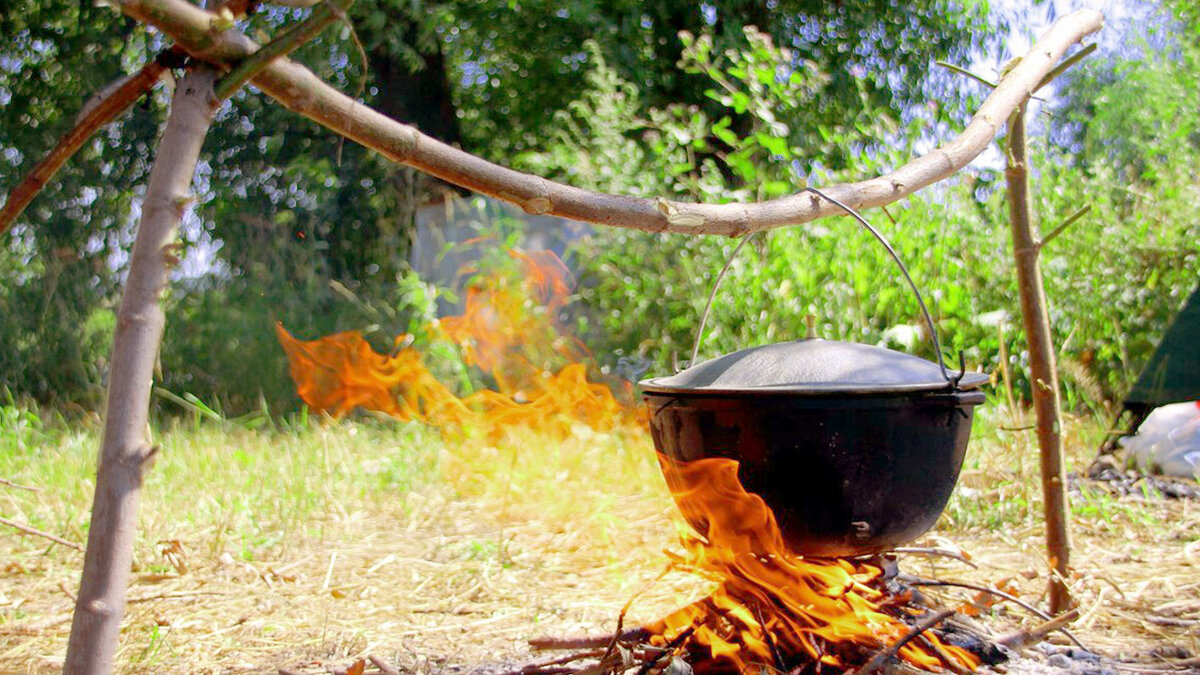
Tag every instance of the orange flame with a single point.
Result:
(506, 331)
(771, 605)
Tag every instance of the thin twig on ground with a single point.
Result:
(38, 533)
(1023, 638)
(939, 552)
(585, 641)
(17, 486)
(541, 666)
(36, 627)
(175, 595)
(382, 665)
(1171, 621)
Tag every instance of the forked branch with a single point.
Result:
(297, 88)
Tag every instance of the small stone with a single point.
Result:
(1048, 648)
(1059, 661)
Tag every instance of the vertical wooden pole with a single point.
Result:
(125, 451)
(1043, 372)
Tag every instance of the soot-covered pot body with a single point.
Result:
(854, 448)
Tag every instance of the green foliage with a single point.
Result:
(20, 427)
(62, 258)
(520, 63)
(1113, 280)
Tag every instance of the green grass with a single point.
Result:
(218, 484)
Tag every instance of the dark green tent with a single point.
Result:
(1172, 374)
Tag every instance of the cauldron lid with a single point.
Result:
(811, 366)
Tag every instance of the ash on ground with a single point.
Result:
(1051, 659)
(1109, 475)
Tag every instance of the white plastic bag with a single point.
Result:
(1168, 442)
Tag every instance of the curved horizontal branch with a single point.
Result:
(298, 89)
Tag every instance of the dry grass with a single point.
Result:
(309, 547)
(1136, 558)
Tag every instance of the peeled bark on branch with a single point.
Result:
(1043, 373)
(126, 451)
(297, 88)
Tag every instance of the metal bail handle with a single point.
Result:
(937, 346)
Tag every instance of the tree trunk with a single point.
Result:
(126, 450)
(1043, 372)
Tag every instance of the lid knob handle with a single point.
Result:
(810, 321)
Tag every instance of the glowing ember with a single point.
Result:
(506, 330)
(772, 607)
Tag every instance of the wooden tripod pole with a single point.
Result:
(1043, 372)
(125, 451)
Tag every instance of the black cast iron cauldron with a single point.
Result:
(855, 448)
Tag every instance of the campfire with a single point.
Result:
(771, 610)
(775, 609)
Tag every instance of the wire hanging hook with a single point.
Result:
(937, 345)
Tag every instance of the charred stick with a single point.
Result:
(38, 533)
(612, 644)
(667, 651)
(918, 581)
(947, 658)
(881, 657)
(770, 639)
